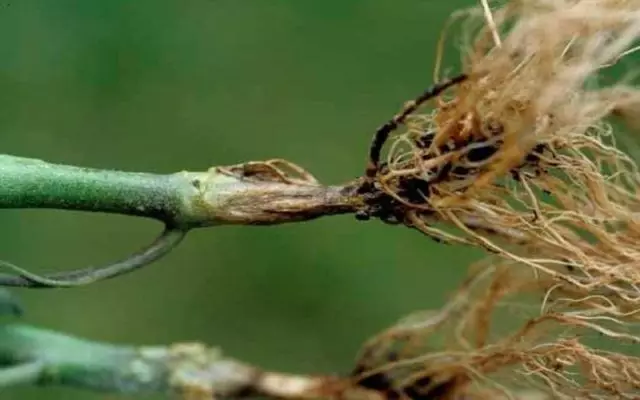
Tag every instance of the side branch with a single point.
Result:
(169, 239)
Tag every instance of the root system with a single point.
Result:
(520, 159)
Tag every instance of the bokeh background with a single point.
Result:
(163, 86)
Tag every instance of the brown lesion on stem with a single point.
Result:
(198, 373)
(274, 192)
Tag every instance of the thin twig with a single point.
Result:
(169, 239)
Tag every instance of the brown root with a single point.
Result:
(521, 161)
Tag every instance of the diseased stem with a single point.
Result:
(30, 355)
(184, 199)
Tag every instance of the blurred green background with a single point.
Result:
(163, 86)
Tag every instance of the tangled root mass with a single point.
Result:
(520, 159)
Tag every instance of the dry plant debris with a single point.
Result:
(520, 158)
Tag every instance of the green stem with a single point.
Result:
(72, 361)
(26, 373)
(84, 276)
(29, 183)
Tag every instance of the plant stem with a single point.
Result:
(30, 355)
(183, 199)
(72, 361)
(29, 183)
(26, 373)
